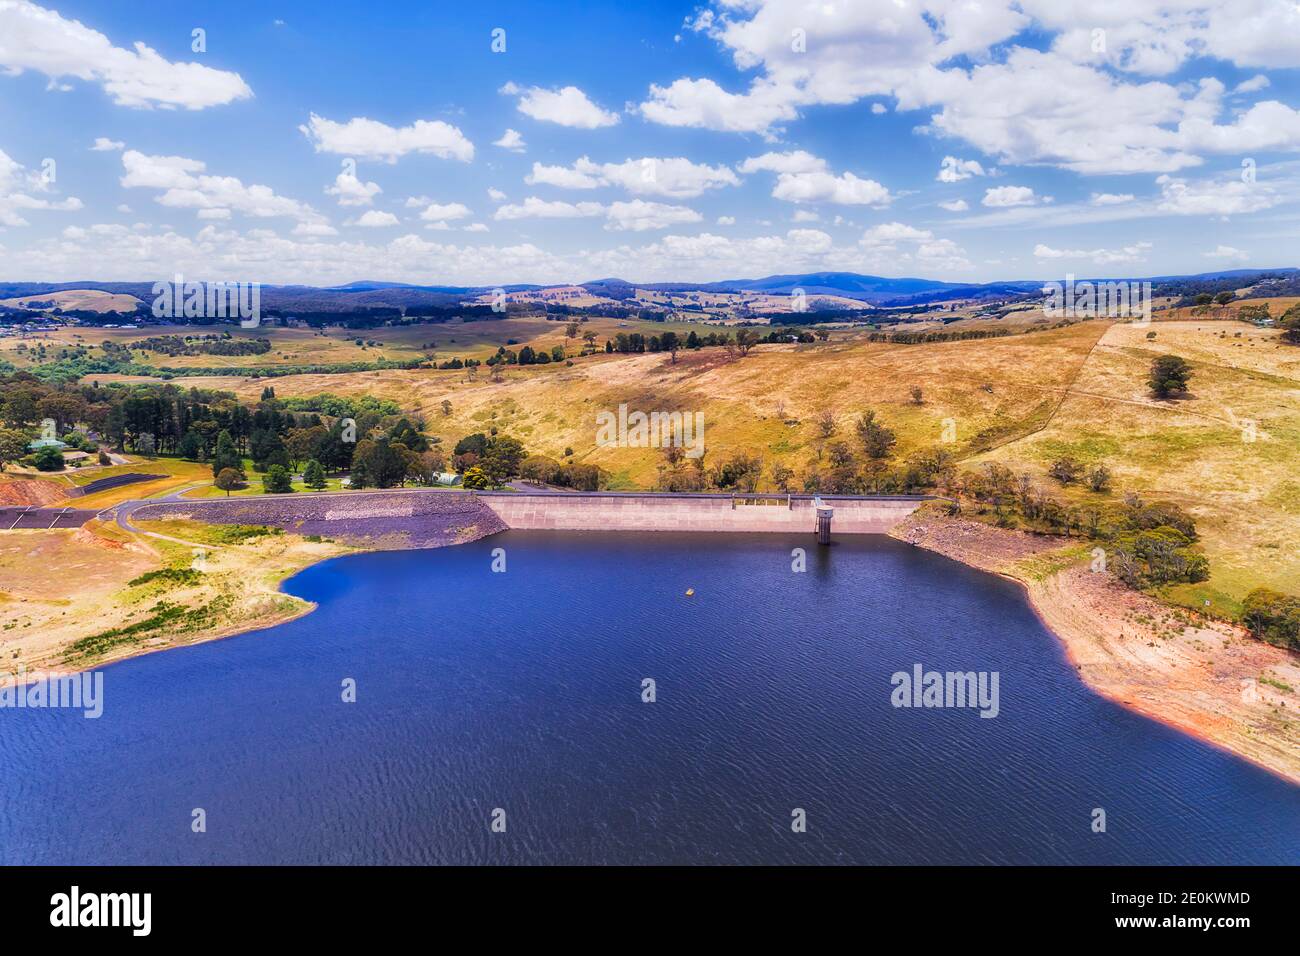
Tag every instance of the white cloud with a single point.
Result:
(476, 227)
(703, 103)
(534, 208)
(1155, 38)
(104, 145)
(954, 170)
(896, 246)
(1064, 106)
(34, 38)
(352, 191)
(639, 215)
(17, 185)
(1110, 199)
(674, 177)
(955, 205)
(845, 189)
(512, 140)
(496, 195)
(1133, 253)
(371, 139)
(805, 215)
(443, 212)
(888, 233)
(1228, 252)
(1256, 83)
(635, 216)
(313, 229)
(375, 219)
(186, 186)
(803, 177)
(1213, 197)
(726, 220)
(568, 106)
(1001, 196)
(795, 161)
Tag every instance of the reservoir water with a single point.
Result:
(522, 691)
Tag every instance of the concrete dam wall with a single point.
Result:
(617, 511)
(420, 518)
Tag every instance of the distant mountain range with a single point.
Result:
(873, 290)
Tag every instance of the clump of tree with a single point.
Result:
(48, 458)
(1290, 325)
(541, 470)
(1153, 544)
(13, 446)
(1065, 470)
(1169, 376)
(277, 480)
(741, 472)
(1273, 617)
(313, 475)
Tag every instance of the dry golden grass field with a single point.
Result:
(1023, 400)
(334, 346)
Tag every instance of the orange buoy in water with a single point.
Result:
(690, 592)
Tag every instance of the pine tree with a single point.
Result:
(313, 476)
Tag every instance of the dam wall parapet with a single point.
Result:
(622, 511)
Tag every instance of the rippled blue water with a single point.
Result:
(522, 691)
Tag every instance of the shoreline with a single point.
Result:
(1124, 645)
(1128, 647)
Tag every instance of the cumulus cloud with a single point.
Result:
(955, 205)
(794, 161)
(1209, 197)
(954, 170)
(104, 145)
(184, 184)
(512, 140)
(1132, 253)
(35, 38)
(1002, 196)
(18, 187)
(371, 139)
(567, 106)
(635, 216)
(639, 216)
(674, 177)
(351, 191)
(375, 219)
(1228, 252)
(1068, 106)
(534, 208)
(895, 245)
(805, 178)
(444, 212)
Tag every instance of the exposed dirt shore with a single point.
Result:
(1206, 677)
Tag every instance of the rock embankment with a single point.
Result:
(384, 520)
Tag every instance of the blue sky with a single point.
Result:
(328, 142)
